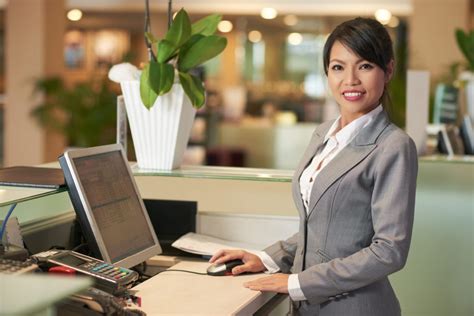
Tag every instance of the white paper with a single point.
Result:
(208, 245)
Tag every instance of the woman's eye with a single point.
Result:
(336, 67)
(366, 66)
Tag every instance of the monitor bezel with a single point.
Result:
(84, 210)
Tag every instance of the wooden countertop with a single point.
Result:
(186, 293)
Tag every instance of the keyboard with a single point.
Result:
(9, 266)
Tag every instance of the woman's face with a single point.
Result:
(356, 84)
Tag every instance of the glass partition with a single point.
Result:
(10, 195)
(252, 174)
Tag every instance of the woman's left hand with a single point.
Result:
(277, 282)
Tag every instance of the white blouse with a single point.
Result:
(335, 140)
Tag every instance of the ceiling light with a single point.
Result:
(290, 20)
(225, 26)
(394, 22)
(383, 16)
(295, 39)
(74, 15)
(268, 13)
(255, 36)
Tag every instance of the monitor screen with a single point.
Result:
(113, 217)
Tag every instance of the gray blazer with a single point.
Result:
(359, 225)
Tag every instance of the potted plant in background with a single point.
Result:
(161, 101)
(85, 113)
(465, 42)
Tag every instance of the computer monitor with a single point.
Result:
(467, 135)
(449, 141)
(110, 210)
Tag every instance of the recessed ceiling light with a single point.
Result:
(74, 15)
(295, 39)
(255, 36)
(394, 21)
(225, 26)
(383, 16)
(268, 13)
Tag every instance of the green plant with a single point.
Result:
(184, 47)
(397, 107)
(465, 42)
(85, 114)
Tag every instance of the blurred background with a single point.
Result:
(265, 94)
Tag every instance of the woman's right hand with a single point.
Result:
(252, 263)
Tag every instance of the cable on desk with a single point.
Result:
(178, 270)
(141, 269)
(79, 247)
(4, 223)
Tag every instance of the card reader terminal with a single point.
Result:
(108, 277)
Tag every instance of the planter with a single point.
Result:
(160, 135)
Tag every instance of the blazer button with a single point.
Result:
(331, 298)
(345, 293)
(338, 296)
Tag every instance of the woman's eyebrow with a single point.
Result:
(335, 60)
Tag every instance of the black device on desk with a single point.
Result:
(112, 215)
(172, 219)
(108, 277)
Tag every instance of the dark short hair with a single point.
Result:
(365, 37)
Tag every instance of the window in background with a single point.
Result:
(258, 61)
(87, 50)
(304, 58)
(74, 49)
(254, 57)
(110, 47)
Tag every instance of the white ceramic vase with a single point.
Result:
(160, 135)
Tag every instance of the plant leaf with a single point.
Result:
(192, 40)
(207, 25)
(147, 94)
(180, 29)
(166, 51)
(200, 51)
(466, 45)
(51, 85)
(193, 88)
(150, 37)
(161, 77)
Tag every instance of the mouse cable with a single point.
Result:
(178, 270)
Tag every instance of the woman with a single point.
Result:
(354, 189)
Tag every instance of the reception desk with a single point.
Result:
(438, 279)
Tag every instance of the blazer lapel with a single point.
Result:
(315, 143)
(359, 148)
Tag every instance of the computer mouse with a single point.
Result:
(224, 268)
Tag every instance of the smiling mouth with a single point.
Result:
(352, 94)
